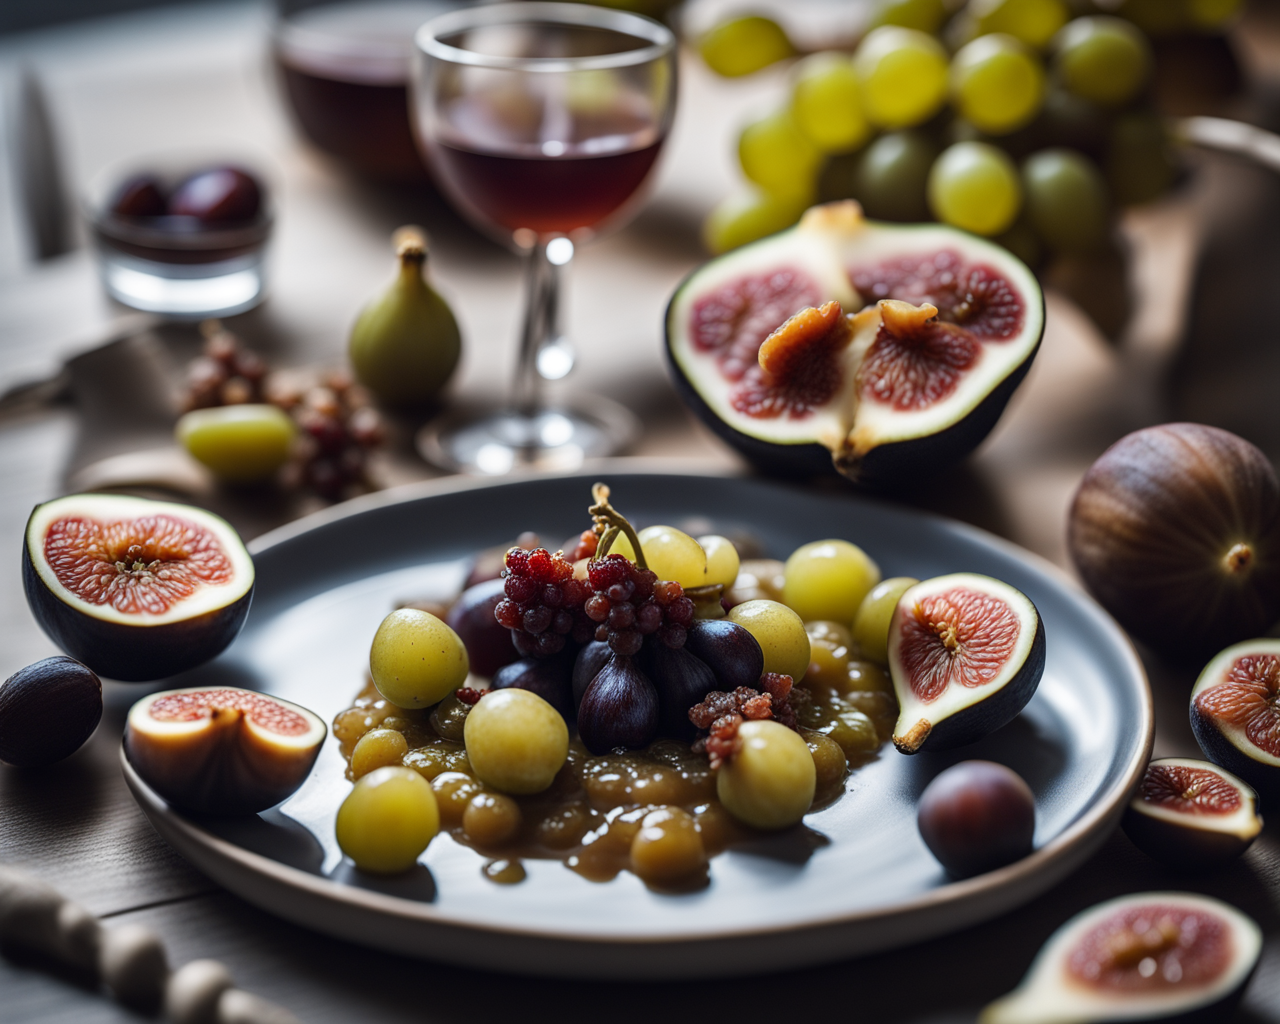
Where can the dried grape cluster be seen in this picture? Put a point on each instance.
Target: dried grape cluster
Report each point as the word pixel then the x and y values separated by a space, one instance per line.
pixel 226 374
pixel 629 603
pixel 720 714
pixel 543 602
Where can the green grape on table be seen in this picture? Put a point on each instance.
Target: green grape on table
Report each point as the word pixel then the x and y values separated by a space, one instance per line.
pixel 743 46
pixel 722 559
pixel 825 103
pixel 416 660
pixel 769 783
pixel 975 187
pixel 925 15
pixel 1140 160
pixel 1066 200
pixel 778 156
pixel 780 633
pixel 1104 59
pixel 1034 22
pixel 871 623
pixel 748 216
pixel 827 579
pixel 387 820
pixel 240 443
pixel 997 84
pixel 892 177
pixel 903 75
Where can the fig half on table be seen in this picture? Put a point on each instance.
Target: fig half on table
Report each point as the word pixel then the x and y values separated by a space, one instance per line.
pixel 1234 714
pixel 763 348
pixel 1156 956
pixel 966 653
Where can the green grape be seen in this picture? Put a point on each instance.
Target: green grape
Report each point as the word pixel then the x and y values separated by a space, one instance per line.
pixel 997 84
pixel 376 749
pixel 742 46
pixel 780 633
pixel 769 783
pixel 416 660
pixel 1034 22
pixel 1105 60
pixel 779 157
pixel 516 741
pixel 974 186
pixel 1212 14
pixel 903 74
pixel 871 623
pixel 825 103
pixel 722 559
pixel 925 15
pixel 668 846
pixel 748 216
pixel 892 178
pixel 387 820
pixel 1066 200
pixel 827 579
pixel 674 555
pixel 240 443
pixel 1140 162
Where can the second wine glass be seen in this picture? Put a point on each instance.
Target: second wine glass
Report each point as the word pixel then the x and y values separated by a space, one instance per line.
pixel 541 122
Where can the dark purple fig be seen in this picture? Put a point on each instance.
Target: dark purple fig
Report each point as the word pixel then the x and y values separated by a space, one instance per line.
pixel 1192 814
pixel 222 195
pixel 591 659
pixel 681 681
pixel 1234 713
pixel 977 816
pixel 728 650
pixel 487 641
pixel 966 653
pixel 549 678
pixel 619 709
pixel 1176 531
pixel 1153 956
pixel 47 711
pixel 139 196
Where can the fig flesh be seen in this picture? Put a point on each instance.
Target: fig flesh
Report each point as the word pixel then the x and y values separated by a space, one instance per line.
pixel 1147 957
pixel 966 653
pixel 1234 714
pixel 619 708
pixel 761 349
pixel 1192 814
pixel 135 589
pixel 222 751
pixel 47 712
pixel 1176 531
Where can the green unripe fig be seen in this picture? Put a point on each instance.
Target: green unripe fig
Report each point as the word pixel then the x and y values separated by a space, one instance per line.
pixel 405 345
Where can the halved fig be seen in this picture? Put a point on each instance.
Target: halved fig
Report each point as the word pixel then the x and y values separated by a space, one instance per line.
pixel 135 589
pixel 1192 814
pixel 1151 956
pixel 966 653
pixel 223 750
pixel 761 348
pixel 1234 713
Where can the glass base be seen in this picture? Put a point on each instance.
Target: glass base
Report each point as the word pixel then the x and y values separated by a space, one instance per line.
pixel 183 291
pixel 560 437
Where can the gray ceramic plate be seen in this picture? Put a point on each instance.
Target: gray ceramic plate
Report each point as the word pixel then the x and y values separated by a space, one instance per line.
pixel 857 879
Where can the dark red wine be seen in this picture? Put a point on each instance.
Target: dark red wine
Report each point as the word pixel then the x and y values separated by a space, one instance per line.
pixel 546 194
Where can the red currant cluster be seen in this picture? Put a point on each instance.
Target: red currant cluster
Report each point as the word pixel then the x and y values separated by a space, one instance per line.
pixel 629 603
pixel 543 603
pixel 227 373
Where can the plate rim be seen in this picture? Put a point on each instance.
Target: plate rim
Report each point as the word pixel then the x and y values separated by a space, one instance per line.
pixel 1052 861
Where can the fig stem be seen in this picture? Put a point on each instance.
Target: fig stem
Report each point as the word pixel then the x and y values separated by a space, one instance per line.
pixel 613 522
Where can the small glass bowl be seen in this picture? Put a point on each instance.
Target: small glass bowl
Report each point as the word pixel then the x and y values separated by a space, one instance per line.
pixel 180 267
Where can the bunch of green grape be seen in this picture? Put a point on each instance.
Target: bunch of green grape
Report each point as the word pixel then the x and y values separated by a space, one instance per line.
pixel 1027 121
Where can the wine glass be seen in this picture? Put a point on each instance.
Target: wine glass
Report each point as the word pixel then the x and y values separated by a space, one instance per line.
pixel 541 121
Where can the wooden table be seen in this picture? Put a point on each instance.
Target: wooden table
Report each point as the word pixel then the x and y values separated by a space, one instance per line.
pixel 190 74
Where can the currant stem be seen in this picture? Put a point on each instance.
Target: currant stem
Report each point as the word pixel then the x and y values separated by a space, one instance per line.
pixel 614 522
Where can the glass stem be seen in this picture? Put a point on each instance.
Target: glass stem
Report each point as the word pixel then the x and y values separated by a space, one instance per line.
pixel 542 288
